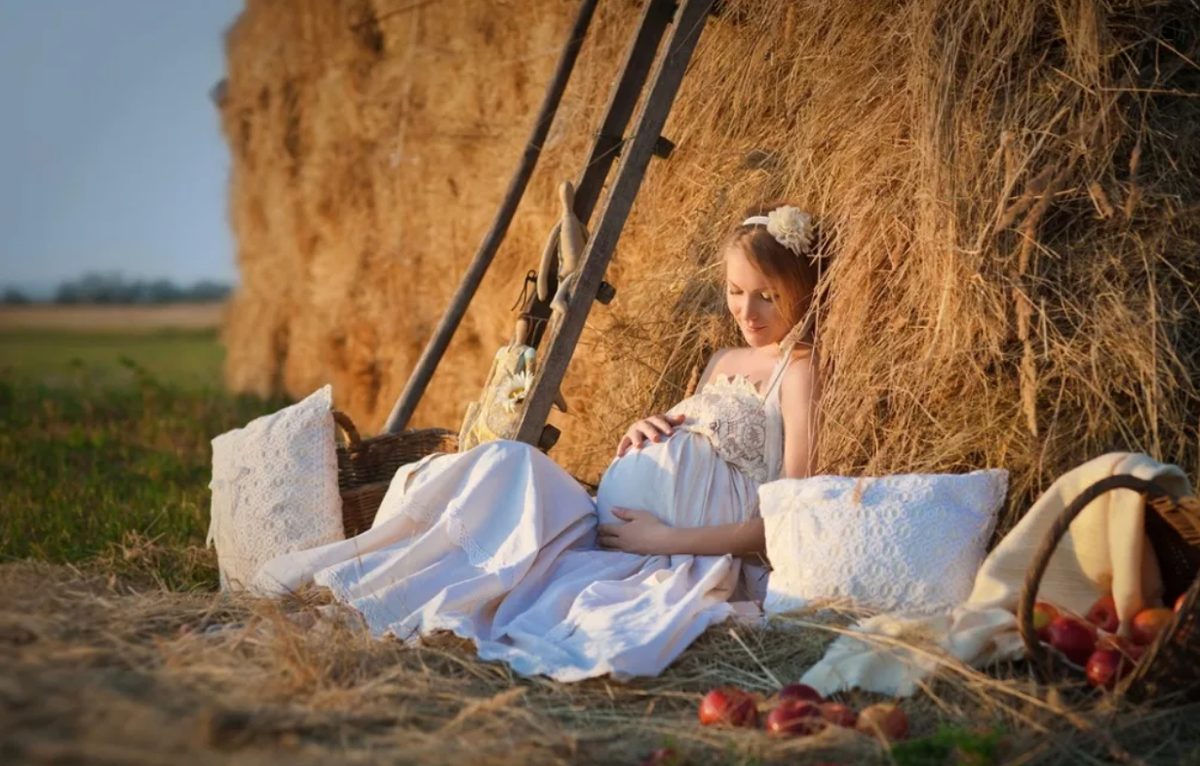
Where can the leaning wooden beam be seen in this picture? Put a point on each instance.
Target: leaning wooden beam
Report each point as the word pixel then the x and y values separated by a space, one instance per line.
pixel 606 143
pixel 639 57
pixel 436 347
pixel 564 332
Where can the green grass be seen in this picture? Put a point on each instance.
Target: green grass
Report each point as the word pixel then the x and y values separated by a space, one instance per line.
pixel 187 359
pixel 104 449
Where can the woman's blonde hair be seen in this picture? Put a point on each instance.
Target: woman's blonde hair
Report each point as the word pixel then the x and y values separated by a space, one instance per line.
pixel 792 277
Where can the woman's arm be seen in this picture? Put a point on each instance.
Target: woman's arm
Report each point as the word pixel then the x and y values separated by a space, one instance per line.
pixel 643 533
pixel 744 538
pixel 798 396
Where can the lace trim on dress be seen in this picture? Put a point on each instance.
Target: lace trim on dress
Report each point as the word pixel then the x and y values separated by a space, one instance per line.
pixel 737 384
pixel 382 620
pixel 477 555
pixel 730 412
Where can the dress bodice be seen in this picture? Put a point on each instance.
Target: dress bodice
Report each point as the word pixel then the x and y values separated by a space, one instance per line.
pixel 744 426
pixel 733 415
pixel 708 472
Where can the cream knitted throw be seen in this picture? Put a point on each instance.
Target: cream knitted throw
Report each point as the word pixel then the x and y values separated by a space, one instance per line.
pixel 1105 550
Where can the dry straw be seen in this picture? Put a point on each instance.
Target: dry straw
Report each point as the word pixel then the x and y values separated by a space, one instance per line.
pixel 97 669
pixel 1011 185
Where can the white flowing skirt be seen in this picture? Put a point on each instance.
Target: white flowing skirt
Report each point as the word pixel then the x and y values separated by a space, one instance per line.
pixel 497 544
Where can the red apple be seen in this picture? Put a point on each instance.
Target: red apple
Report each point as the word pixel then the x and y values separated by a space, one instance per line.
pixel 1043 615
pixel 1123 646
pixel 728 706
pixel 664 756
pixel 1074 639
pixel 1103 614
pixel 1148 624
pixel 794 718
pixel 799 692
pixel 883 720
pixel 1179 601
pixel 1105 667
pixel 838 714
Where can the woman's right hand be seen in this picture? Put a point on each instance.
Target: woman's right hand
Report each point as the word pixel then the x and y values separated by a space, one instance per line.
pixel 655 428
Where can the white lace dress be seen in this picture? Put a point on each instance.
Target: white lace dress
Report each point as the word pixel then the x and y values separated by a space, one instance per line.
pixel 498 545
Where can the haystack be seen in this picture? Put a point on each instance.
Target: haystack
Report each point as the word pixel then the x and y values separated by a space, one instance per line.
pixel 1012 186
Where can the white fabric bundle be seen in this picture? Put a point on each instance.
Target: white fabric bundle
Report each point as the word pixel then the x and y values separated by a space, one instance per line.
pixel 1105 550
pixel 274 488
pixel 907 543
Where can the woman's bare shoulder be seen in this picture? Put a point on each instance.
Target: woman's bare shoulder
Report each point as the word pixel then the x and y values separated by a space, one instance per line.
pixel 801 374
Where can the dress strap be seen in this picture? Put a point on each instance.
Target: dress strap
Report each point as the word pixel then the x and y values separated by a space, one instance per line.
pixel 777 374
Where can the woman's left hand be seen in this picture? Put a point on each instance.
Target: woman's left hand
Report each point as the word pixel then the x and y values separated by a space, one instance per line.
pixel 641 533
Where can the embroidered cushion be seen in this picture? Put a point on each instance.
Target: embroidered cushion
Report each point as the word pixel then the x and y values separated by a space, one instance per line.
pixel 274 488
pixel 906 543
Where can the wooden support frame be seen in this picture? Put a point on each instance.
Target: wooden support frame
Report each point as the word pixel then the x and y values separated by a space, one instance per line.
pixel 564 332
pixel 436 347
pixel 639 57
pixel 609 137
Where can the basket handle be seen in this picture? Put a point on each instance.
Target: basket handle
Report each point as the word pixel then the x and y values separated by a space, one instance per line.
pixel 343 420
pixel 1153 492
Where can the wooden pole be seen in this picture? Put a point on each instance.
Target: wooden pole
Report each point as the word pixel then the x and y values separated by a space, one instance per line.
pixel 564 333
pixel 606 143
pixel 436 347
pixel 639 58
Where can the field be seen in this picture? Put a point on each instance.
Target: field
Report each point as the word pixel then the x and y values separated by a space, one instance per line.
pixel 105 589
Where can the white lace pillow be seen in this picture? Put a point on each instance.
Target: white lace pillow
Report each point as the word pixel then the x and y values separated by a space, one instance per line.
pixel 274 488
pixel 908 543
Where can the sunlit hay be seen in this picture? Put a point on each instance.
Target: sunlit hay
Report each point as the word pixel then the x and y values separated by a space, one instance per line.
pixel 94 668
pixel 1006 182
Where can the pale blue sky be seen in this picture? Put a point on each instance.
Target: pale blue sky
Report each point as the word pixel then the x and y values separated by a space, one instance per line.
pixel 111 156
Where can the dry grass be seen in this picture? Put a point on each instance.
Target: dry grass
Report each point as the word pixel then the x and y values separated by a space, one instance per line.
pixel 1010 184
pixel 106 319
pixel 95 669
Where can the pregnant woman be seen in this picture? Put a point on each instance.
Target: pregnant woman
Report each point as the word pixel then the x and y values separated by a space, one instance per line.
pixel 502 546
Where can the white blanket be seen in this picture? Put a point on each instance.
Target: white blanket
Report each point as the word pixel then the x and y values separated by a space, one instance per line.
pixel 1105 550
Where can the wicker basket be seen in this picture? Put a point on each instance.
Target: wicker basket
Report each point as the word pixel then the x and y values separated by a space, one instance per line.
pixel 1170 668
pixel 366 466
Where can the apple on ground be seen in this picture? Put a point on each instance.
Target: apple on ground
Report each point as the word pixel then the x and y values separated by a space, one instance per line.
pixel 1103 614
pixel 1105 667
pixel 664 756
pixel 1043 615
pixel 799 692
pixel 1073 638
pixel 1148 624
pixel 794 718
pixel 883 720
pixel 838 714
pixel 728 706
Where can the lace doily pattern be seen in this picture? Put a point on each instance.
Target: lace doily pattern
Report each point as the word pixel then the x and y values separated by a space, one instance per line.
pixel 274 488
pixel 909 543
pixel 730 412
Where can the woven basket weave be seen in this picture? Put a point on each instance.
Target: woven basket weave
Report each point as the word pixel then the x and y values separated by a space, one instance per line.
pixel 366 466
pixel 1169 671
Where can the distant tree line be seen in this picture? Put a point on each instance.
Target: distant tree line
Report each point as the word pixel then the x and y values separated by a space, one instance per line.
pixel 116 289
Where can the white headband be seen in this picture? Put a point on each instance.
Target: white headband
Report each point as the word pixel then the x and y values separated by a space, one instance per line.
pixel 790 227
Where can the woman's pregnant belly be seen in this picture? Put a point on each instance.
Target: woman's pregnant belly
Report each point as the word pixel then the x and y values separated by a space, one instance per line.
pixel 681 480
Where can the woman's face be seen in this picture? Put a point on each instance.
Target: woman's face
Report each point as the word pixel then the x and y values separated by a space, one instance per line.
pixel 752 301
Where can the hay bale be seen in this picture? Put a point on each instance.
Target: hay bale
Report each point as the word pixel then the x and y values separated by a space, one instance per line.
pixel 1008 182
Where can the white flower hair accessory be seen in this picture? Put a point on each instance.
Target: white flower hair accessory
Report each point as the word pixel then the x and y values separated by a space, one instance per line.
pixel 790 226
